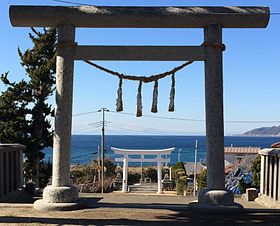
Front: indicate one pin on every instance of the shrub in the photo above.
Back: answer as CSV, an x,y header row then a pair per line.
x,y
181,186
256,170
134,178
243,186
178,170
202,180
151,173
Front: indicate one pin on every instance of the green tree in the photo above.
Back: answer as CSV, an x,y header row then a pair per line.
x,y
13,111
178,170
39,64
151,173
256,170
202,180
30,118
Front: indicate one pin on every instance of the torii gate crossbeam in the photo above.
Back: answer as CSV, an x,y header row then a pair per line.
x,y
60,195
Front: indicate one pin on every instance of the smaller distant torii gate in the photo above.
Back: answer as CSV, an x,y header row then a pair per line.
x,y
61,195
159,160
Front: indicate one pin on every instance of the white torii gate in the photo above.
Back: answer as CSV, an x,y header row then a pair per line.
x,y
61,195
159,160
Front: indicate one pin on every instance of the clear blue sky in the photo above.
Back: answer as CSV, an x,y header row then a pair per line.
x,y
251,73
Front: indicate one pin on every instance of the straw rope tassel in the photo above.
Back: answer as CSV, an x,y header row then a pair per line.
x,y
139,100
172,93
155,98
119,99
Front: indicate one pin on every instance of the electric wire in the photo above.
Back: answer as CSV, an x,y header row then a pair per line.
x,y
86,4
77,157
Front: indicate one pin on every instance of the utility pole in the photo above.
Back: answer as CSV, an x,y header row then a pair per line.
x,y
98,163
102,147
195,169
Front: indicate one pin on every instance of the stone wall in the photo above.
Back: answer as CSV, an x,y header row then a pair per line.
x,y
270,177
11,173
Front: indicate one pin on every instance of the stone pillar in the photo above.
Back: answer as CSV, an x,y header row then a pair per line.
x,y
266,181
270,185
278,189
215,194
262,174
60,195
125,166
159,175
275,178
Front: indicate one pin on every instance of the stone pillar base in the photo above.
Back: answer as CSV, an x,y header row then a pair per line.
x,y
215,201
58,198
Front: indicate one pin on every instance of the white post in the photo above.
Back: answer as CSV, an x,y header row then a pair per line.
x,y
125,165
179,155
159,174
170,173
195,169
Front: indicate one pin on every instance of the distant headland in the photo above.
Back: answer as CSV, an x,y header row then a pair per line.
x,y
263,131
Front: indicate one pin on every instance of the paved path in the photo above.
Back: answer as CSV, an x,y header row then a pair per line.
x,y
140,209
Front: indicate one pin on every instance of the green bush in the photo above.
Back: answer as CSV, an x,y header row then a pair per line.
x,y
181,186
178,170
180,177
256,170
202,180
134,178
151,173
243,186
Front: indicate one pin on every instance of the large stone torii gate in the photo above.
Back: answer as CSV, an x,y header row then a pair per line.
x,y
60,195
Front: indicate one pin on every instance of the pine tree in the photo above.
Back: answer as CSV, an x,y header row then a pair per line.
x,y
39,64
25,113
13,111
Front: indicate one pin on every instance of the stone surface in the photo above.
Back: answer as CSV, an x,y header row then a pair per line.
x,y
60,194
46,206
235,208
63,108
216,197
58,198
251,194
214,108
139,17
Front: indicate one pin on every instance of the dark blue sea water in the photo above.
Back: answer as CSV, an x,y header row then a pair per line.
x,y
84,147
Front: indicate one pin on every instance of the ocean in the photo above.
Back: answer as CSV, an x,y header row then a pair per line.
x,y
84,147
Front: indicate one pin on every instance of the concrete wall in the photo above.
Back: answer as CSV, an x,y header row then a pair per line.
x,y
11,159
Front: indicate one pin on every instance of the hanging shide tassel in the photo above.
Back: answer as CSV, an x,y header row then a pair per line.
x,y
155,98
119,99
172,94
139,100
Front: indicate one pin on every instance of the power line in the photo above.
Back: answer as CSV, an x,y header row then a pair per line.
x,y
77,157
73,3
85,113
195,120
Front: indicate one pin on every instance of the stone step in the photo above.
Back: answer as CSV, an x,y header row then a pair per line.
x,y
147,188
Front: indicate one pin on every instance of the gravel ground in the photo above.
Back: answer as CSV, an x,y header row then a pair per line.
x,y
137,209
